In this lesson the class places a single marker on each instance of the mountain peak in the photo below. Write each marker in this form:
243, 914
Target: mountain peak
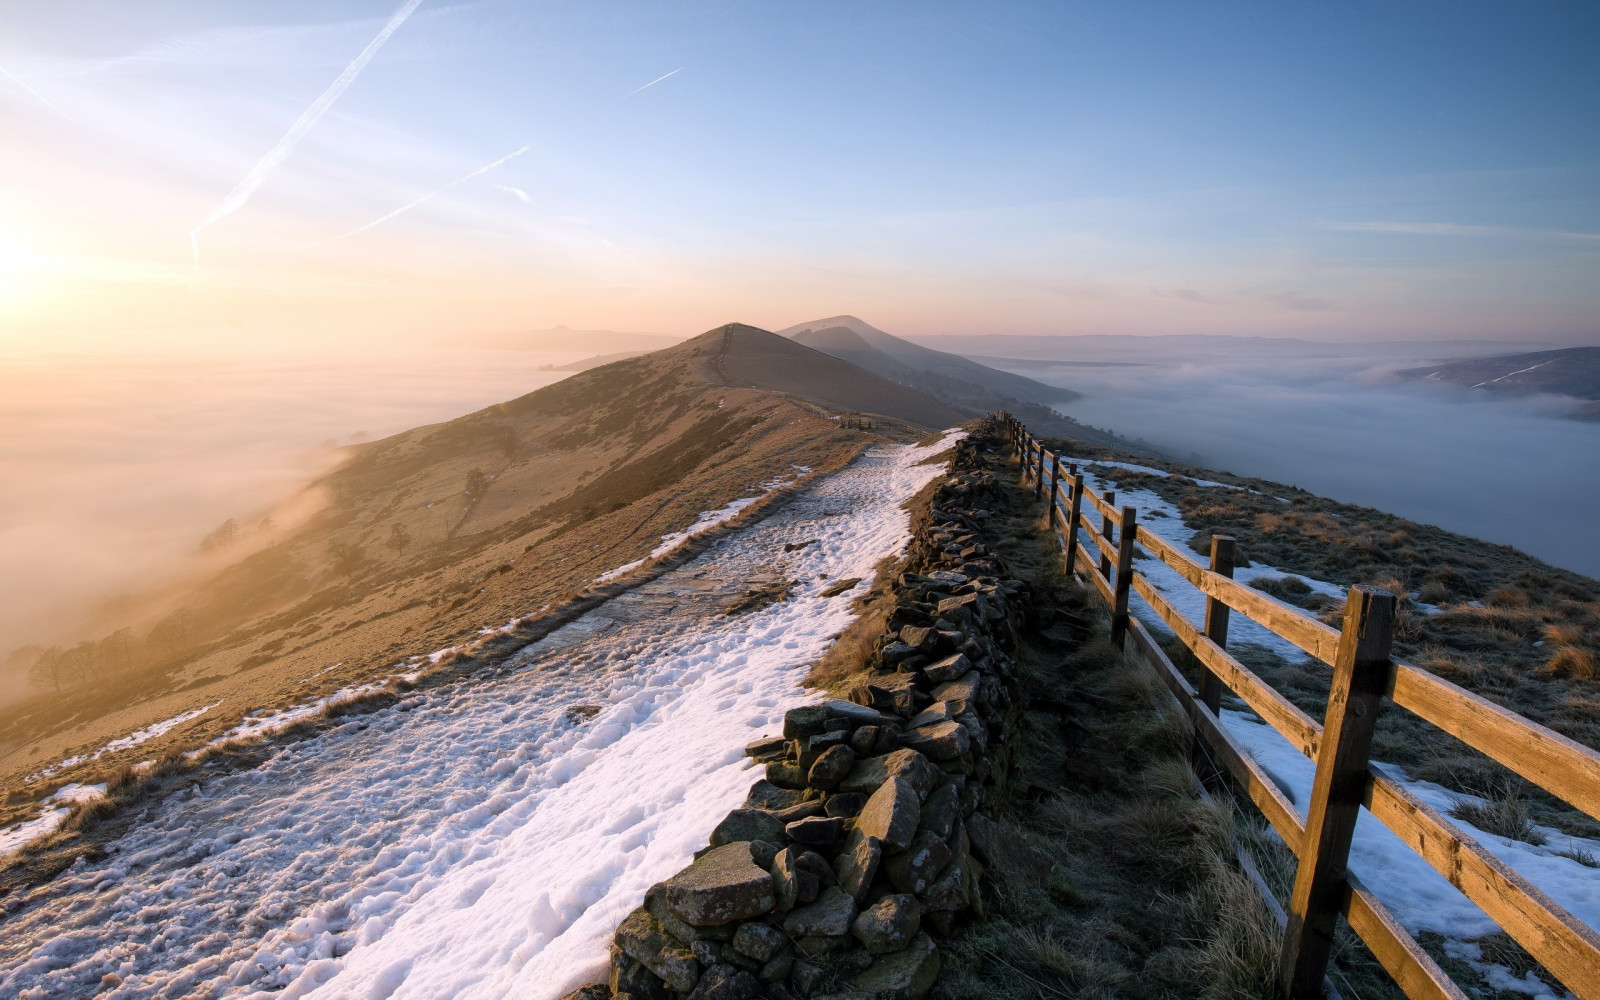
854, 324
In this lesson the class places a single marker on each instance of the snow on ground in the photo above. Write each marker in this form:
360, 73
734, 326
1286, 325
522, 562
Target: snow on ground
1165, 521
57, 808
254, 725
1419, 896
12, 838
1131, 467
131, 740
476, 839
705, 522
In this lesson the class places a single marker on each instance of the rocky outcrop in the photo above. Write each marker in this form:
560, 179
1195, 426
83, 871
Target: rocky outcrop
851, 857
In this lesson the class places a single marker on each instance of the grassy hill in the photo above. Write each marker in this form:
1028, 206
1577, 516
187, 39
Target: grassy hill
430, 535
1573, 371
963, 384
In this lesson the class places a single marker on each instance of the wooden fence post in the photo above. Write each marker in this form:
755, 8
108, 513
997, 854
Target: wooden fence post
1038, 473
1127, 535
1222, 550
1055, 485
1074, 519
1105, 532
1361, 672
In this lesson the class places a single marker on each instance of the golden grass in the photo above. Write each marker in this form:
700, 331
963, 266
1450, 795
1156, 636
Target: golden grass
1576, 662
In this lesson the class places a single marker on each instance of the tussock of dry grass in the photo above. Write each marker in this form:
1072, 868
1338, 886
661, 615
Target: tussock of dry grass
846, 664
1506, 814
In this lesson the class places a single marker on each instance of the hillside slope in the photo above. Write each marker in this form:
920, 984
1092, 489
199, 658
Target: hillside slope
494, 827
432, 534
1573, 371
966, 386
1488, 617
748, 356
950, 373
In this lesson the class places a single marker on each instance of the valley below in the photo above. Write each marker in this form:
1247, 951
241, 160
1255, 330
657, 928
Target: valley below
1343, 428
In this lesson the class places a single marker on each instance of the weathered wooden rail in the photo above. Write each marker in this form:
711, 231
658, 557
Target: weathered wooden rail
1364, 675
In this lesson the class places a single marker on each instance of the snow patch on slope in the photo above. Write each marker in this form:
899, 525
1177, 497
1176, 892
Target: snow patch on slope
131, 740
705, 522
475, 840
58, 808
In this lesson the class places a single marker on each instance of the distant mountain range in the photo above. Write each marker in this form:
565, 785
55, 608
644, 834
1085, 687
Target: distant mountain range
1572, 371
1179, 348
965, 385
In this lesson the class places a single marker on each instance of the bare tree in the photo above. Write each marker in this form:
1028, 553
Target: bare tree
347, 558
222, 535
48, 670
81, 663
173, 631
399, 538
116, 650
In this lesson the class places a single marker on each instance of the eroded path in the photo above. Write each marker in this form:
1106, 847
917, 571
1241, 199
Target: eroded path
479, 839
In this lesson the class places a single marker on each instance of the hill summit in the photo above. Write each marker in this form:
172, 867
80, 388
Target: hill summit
427, 536
964, 385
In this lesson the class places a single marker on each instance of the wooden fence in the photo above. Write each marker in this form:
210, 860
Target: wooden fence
1364, 674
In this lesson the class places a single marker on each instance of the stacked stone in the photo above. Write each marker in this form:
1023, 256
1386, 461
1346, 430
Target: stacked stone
853, 854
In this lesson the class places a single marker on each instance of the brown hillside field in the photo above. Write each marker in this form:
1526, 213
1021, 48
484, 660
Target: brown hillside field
439, 532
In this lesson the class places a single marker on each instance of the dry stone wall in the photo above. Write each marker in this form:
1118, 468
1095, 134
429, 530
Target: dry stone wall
860, 848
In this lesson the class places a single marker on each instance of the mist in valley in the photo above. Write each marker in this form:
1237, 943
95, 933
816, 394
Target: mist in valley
117, 472
1514, 471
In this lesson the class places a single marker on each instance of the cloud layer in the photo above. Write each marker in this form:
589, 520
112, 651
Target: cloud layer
112, 470
1345, 429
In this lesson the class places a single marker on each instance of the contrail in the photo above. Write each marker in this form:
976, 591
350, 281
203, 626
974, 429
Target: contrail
436, 191
280, 152
520, 194
647, 86
44, 100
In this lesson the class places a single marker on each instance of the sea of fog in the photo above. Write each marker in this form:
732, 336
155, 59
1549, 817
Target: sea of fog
1513, 471
112, 469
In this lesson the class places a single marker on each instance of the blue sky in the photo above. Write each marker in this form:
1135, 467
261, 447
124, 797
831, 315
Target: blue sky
1346, 171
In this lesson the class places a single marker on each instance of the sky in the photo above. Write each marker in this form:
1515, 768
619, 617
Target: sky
230, 175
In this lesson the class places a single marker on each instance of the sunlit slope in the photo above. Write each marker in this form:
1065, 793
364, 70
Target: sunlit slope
429, 535
748, 356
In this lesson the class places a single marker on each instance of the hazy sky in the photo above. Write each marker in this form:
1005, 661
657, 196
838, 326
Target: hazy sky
230, 171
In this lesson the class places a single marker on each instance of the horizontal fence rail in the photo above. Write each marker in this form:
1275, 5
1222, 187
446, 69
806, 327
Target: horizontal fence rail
1364, 675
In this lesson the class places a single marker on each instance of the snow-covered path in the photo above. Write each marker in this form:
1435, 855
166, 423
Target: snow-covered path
476, 840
